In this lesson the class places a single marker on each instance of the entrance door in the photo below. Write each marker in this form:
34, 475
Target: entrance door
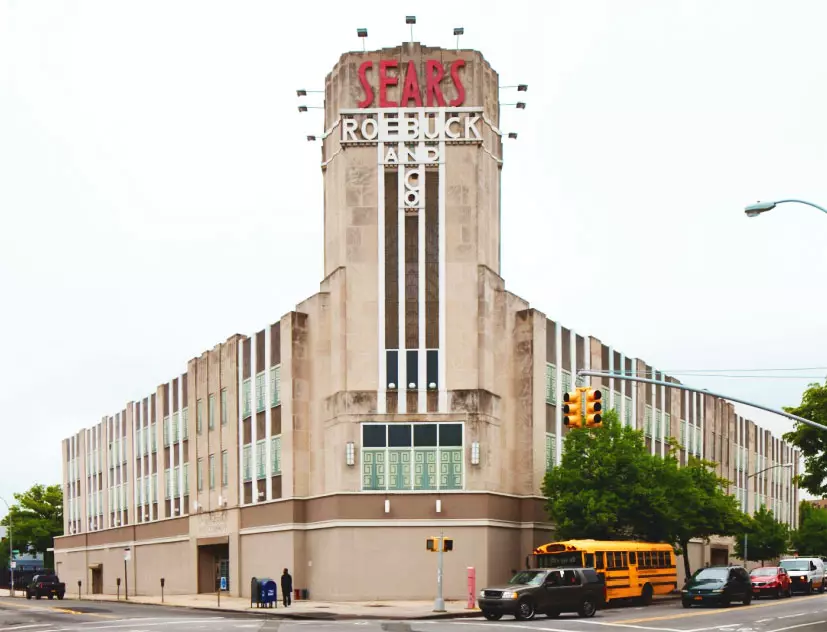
97, 581
718, 557
213, 564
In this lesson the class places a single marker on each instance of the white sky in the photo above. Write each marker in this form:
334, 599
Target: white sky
157, 193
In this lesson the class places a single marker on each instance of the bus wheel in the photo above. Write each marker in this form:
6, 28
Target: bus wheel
646, 595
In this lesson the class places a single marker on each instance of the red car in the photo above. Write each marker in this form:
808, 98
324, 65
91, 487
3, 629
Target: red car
770, 580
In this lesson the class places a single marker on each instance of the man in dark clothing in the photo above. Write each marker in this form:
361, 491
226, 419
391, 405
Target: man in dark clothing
286, 587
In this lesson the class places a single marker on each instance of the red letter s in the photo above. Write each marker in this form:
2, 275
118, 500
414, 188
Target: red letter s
363, 79
460, 98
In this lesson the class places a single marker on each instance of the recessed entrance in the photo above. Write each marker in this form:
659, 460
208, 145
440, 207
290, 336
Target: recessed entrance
213, 564
718, 557
97, 579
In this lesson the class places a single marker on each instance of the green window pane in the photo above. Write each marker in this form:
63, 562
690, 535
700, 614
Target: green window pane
373, 470
425, 469
399, 469
450, 468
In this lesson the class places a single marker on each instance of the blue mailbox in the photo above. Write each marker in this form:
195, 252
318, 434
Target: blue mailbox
268, 593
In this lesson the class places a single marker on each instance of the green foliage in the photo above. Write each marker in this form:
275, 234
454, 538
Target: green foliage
812, 442
609, 486
767, 538
36, 518
811, 536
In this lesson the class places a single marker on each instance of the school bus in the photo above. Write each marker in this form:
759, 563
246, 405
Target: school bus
631, 569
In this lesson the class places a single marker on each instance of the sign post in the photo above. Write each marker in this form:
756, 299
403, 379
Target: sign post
472, 588
127, 555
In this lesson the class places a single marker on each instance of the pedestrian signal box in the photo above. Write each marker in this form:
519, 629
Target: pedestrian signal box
432, 544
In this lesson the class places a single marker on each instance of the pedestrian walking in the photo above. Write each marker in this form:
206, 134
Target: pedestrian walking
286, 587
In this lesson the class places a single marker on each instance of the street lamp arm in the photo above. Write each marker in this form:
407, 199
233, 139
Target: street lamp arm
820, 208
703, 391
772, 467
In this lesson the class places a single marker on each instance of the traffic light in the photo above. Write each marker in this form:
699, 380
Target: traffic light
593, 407
432, 544
447, 544
572, 410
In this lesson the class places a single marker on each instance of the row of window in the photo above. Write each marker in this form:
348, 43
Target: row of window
616, 560
211, 413
691, 438
261, 404
118, 497
225, 464
94, 463
117, 452
146, 442
662, 424
261, 459
412, 457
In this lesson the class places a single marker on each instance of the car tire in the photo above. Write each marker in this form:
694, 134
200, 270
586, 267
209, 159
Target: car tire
686, 603
789, 592
779, 593
821, 588
38, 596
28, 595
809, 590
51, 596
492, 616
525, 610
587, 608
60, 596
646, 595
747, 599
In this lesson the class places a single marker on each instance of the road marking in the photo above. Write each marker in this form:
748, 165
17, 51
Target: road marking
706, 613
23, 627
790, 616
800, 625
628, 625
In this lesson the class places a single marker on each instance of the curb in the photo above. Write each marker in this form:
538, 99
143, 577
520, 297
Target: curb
306, 616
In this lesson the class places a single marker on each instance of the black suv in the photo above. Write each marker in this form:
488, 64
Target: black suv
718, 585
545, 591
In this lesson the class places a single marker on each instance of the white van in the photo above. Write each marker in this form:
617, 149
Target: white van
806, 574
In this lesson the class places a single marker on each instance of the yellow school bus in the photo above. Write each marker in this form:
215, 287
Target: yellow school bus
631, 569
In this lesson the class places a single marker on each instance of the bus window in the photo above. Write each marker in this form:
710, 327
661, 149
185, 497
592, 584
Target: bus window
632, 558
623, 562
598, 557
589, 560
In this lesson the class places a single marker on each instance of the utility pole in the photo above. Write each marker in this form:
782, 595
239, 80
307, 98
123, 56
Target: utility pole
439, 602
12, 563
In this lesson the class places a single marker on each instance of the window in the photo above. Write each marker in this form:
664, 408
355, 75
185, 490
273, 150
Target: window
551, 384
137, 445
166, 431
618, 403
176, 478
211, 412
418, 456
261, 459
224, 468
275, 386
628, 415
199, 416
647, 422
551, 445
260, 392
565, 381
154, 489
245, 399
683, 434
223, 406
166, 484
175, 427
667, 426
275, 455
658, 425
185, 427
199, 474
212, 471
246, 457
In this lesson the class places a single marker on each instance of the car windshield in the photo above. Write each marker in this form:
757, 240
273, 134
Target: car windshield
712, 573
795, 565
531, 578
761, 572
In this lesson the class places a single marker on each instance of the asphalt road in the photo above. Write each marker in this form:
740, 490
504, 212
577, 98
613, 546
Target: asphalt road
799, 614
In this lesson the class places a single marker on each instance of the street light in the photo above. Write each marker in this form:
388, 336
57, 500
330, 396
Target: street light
746, 499
754, 210
11, 547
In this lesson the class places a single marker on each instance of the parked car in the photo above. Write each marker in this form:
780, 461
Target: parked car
806, 574
770, 580
45, 586
717, 585
545, 591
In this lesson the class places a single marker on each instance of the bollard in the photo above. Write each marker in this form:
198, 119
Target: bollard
118, 582
162, 590
78, 590
472, 588
218, 593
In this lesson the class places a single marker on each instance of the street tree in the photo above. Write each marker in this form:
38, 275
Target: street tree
603, 487
768, 538
37, 517
811, 536
812, 442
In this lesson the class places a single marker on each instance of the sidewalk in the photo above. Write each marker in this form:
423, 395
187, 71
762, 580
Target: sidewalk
298, 610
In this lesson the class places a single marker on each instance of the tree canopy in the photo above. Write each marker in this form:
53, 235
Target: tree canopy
36, 518
812, 442
609, 486
811, 536
767, 538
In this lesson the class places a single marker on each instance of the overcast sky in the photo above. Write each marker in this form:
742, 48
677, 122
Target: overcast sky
157, 193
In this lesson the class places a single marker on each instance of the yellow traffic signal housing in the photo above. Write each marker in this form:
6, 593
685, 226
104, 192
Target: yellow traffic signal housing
432, 544
572, 409
593, 407
447, 544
